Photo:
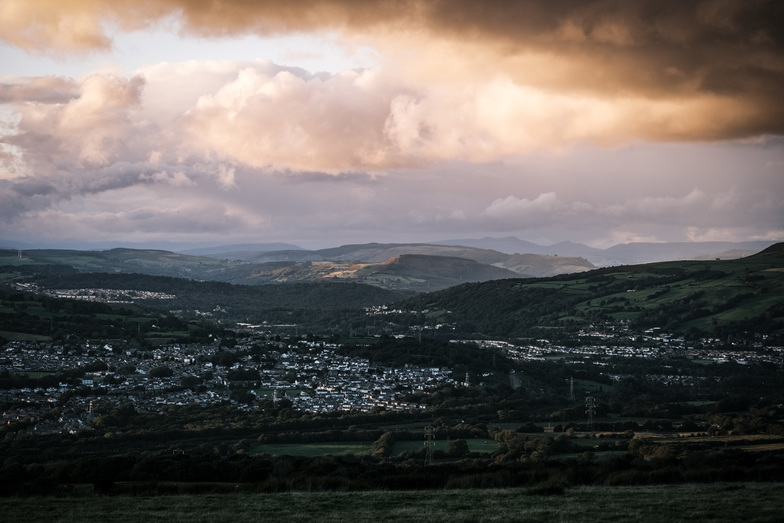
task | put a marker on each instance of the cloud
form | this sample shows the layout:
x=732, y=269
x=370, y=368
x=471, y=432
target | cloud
x=670, y=208
x=43, y=26
x=695, y=211
x=285, y=121
x=515, y=207
x=45, y=89
x=458, y=125
x=89, y=129
x=692, y=70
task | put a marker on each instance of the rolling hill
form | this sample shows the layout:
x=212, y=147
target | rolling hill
x=743, y=297
x=719, y=297
x=409, y=267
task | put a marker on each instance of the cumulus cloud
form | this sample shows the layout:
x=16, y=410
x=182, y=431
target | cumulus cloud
x=285, y=121
x=512, y=206
x=46, y=89
x=90, y=128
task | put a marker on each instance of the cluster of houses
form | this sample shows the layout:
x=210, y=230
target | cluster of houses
x=74, y=383
x=616, y=341
x=311, y=375
x=662, y=347
x=96, y=294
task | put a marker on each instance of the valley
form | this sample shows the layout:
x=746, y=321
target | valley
x=666, y=372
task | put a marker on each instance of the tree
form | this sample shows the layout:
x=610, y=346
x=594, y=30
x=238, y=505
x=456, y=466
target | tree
x=161, y=372
x=126, y=369
x=189, y=382
x=382, y=447
x=457, y=448
x=96, y=366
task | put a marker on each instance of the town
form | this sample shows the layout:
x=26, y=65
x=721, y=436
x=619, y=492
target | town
x=308, y=375
x=258, y=370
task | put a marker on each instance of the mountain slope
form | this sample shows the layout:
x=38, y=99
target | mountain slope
x=719, y=297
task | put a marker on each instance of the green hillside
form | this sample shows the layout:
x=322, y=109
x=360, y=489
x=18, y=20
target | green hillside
x=206, y=295
x=26, y=316
x=718, y=297
x=417, y=271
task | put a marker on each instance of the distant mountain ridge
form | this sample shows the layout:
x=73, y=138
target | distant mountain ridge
x=721, y=297
x=240, y=250
x=409, y=267
x=623, y=253
x=403, y=267
x=620, y=254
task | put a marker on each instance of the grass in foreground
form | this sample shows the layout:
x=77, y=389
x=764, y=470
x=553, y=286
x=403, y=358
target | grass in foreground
x=748, y=502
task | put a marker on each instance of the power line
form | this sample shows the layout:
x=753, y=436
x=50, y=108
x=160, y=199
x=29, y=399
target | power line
x=429, y=437
x=590, y=409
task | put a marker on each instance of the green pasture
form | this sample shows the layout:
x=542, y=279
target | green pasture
x=581, y=385
x=23, y=336
x=311, y=450
x=735, y=441
x=337, y=448
x=474, y=445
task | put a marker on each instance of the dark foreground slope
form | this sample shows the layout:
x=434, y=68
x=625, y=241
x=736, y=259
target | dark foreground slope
x=722, y=297
x=749, y=502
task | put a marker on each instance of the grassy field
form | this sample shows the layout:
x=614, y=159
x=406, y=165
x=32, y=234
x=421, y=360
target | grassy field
x=23, y=336
x=748, y=502
x=474, y=445
x=310, y=450
x=338, y=448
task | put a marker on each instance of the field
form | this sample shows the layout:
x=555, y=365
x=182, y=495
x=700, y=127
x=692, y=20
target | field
x=748, y=502
x=23, y=336
x=337, y=448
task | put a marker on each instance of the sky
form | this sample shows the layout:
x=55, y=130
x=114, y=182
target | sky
x=328, y=122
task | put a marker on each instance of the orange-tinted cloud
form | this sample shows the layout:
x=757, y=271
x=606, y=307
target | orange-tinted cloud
x=687, y=70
